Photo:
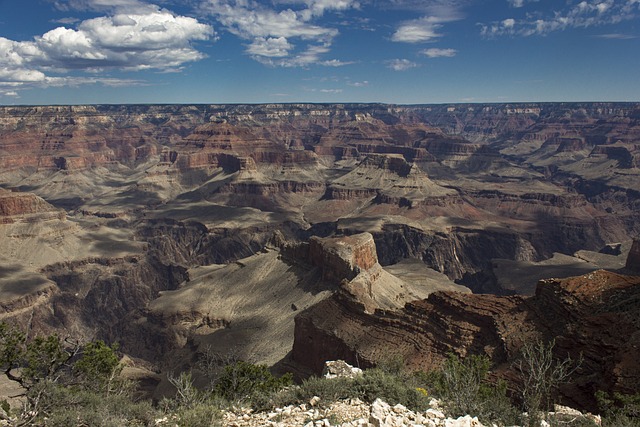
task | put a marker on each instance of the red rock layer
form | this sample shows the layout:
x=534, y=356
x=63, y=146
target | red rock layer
x=592, y=316
x=25, y=205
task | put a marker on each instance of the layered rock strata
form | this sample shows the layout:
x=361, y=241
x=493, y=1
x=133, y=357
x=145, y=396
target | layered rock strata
x=590, y=317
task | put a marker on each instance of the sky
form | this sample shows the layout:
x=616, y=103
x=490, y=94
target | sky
x=283, y=51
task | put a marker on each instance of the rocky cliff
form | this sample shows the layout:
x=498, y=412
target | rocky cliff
x=633, y=259
x=592, y=317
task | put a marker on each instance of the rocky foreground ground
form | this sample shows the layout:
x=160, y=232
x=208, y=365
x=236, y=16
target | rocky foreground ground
x=355, y=413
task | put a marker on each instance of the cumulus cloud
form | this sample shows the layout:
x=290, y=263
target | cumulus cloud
x=144, y=37
x=439, y=53
x=401, y=64
x=587, y=13
x=286, y=37
x=272, y=47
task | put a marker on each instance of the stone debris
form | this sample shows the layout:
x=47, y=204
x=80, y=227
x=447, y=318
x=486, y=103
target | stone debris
x=356, y=413
x=348, y=413
x=339, y=368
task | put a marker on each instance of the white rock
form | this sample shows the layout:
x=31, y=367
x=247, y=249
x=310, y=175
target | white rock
x=399, y=409
x=465, y=421
x=565, y=410
x=314, y=401
x=339, y=368
x=435, y=413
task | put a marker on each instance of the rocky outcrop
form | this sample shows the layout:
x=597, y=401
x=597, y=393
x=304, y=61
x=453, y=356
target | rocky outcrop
x=26, y=207
x=633, y=259
x=591, y=316
x=343, y=258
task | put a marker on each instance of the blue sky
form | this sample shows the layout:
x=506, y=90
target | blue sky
x=254, y=51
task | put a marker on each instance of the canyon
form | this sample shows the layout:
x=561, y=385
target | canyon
x=290, y=234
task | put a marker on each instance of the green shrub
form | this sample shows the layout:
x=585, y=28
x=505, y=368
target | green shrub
x=242, y=381
x=328, y=390
x=392, y=388
x=619, y=409
x=79, y=407
x=99, y=368
x=204, y=414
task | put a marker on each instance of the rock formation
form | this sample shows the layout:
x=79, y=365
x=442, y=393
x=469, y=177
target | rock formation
x=633, y=259
x=26, y=207
x=591, y=316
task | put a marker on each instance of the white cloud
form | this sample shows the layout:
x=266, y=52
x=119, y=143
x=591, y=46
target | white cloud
x=508, y=23
x=257, y=23
x=331, y=90
x=417, y=30
x=401, y=64
x=587, y=13
x=336, y=63
x=147, y=38
x=427, y=28
x=363, y=83
x=616, y=36
x=272, y=47
x=66, y=21
x=438, y=53
x=520, y=3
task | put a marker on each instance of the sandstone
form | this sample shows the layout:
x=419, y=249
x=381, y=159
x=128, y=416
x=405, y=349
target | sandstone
x=344, y=257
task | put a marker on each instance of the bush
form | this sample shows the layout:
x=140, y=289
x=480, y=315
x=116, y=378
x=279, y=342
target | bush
x=77, y=407
x=392, y=388
x=204, y=414
x=619, y=409
x=541, y=374
x=463, y=387
x=242, y=381
x=99, y=368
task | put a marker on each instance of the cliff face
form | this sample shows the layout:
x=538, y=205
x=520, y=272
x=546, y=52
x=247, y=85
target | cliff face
x=591, y=316
x=633, y=259
x=26, y=207
x=343, y=258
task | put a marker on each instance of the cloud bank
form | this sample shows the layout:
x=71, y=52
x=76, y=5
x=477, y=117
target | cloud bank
x=286, y=37
x=583, y=14
x=137, y=36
